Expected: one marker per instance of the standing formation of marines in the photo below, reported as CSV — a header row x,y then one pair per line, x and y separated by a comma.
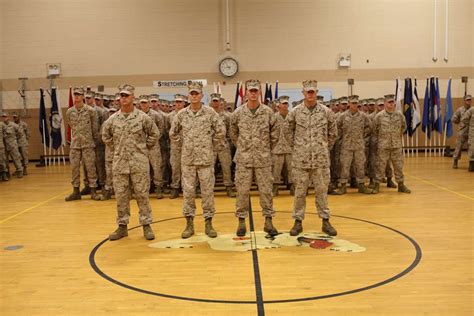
x,y
135,136
13,145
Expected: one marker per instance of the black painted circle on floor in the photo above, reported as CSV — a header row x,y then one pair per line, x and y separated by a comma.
x,y
407,270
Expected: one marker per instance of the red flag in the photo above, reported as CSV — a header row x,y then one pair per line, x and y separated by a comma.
x,y
71,103
241,93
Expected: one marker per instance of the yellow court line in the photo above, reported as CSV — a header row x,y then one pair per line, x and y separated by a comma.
x,y
442,188
32,207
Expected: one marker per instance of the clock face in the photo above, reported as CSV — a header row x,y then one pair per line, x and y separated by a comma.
x,y
228,67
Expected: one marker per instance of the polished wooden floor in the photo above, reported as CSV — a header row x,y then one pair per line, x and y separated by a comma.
x,y
50,272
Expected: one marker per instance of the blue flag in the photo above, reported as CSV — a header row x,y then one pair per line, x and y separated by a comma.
x,y
416,117
407,105
276,90
448,112
55,121
425,122
43,121
438,123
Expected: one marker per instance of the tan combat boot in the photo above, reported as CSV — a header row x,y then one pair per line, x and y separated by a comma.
x,y
328,229
75,195
241,228
275,190
363,189
297,228
158,192
94,195
5,176
174,193
229,191
210,231
269,228
376,188
19,174
189,230
148,232
402,188
391,184
343,189
455,164
120,232
25,172
106,195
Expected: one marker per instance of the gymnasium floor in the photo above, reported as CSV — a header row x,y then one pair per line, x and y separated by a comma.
x,y
408,254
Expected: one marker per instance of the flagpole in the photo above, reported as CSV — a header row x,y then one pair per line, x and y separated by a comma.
x,y
417,142
444,136
426,145
44,141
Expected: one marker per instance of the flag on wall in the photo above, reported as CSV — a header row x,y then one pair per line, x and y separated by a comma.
x,y
56,121
426,123
408,105
416,117
43,123
448,112
70,105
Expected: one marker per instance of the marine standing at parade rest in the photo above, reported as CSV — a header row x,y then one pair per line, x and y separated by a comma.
x,y
200,131
84,136
314,131
462,129
389,126
254,131
131,133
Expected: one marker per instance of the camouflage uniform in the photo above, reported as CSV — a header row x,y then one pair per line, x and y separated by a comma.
x,y
314,133
175,156
462,131
165,151
468,121
224,154
372,155
23,142
355,127
388,129
282,150
254,135
101,117
154,153
131,134
3,159
335,153
84,137
11,135
199,132
109,157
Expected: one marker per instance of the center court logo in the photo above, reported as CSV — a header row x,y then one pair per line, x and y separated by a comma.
x,y
229,242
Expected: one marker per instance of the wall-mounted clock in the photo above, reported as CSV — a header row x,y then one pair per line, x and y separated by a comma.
x,y
228,67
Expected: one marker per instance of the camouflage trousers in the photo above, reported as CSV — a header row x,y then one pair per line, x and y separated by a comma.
x,y
165,162
460,141
335,154
154,155
109,157
320,179
124,186
3,160
87,156
280,160
24,155
14,154
355,158
100,163
470,151
190,175
175,161
384,157
225,159
243,182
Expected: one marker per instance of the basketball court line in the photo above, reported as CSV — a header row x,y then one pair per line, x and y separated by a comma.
x,y
33,207
256,268
442,188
